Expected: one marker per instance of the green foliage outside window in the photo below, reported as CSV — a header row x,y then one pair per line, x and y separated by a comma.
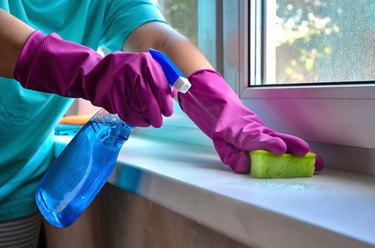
x,y
324,40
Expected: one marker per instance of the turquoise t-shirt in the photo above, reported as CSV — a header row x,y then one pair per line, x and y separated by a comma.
x,y
27,118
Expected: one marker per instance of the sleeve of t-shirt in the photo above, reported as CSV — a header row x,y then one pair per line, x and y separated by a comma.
x,y
123,16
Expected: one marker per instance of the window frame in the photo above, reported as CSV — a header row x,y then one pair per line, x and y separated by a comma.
x,y
239,12
336,121
327,116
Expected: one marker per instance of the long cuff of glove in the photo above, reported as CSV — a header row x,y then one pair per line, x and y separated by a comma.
x,y
26,57
210,102
53,65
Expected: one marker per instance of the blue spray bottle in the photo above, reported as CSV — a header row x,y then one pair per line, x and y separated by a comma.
x,y
79,173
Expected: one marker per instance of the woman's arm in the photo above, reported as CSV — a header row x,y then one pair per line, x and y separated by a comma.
x,y
13,35
233,128
162,37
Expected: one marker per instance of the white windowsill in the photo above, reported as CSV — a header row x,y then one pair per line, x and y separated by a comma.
x,y
334,209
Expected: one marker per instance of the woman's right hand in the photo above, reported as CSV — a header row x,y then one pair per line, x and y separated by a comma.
x,y
132,85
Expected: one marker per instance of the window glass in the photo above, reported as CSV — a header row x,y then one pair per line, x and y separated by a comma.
x,y
183,16
318,41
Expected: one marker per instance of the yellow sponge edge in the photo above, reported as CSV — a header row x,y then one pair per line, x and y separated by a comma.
x,y
265,164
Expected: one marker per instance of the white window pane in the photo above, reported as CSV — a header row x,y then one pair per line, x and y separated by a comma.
x,y
318,41
183,16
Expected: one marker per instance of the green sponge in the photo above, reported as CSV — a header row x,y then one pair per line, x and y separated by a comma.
x,y
264,164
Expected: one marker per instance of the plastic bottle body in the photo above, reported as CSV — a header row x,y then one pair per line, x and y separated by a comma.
x,y
78,174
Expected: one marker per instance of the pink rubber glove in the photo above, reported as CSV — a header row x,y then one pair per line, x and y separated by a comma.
x,y
132,85
234,129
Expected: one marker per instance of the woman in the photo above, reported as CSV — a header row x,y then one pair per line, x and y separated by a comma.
x,y
40,73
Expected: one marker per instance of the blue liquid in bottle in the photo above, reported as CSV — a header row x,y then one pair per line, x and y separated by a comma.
x,y
78,174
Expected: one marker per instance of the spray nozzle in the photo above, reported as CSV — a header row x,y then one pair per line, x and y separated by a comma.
x,y
174,76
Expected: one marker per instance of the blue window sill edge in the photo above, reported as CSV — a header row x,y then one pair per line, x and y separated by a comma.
x,y
333,209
